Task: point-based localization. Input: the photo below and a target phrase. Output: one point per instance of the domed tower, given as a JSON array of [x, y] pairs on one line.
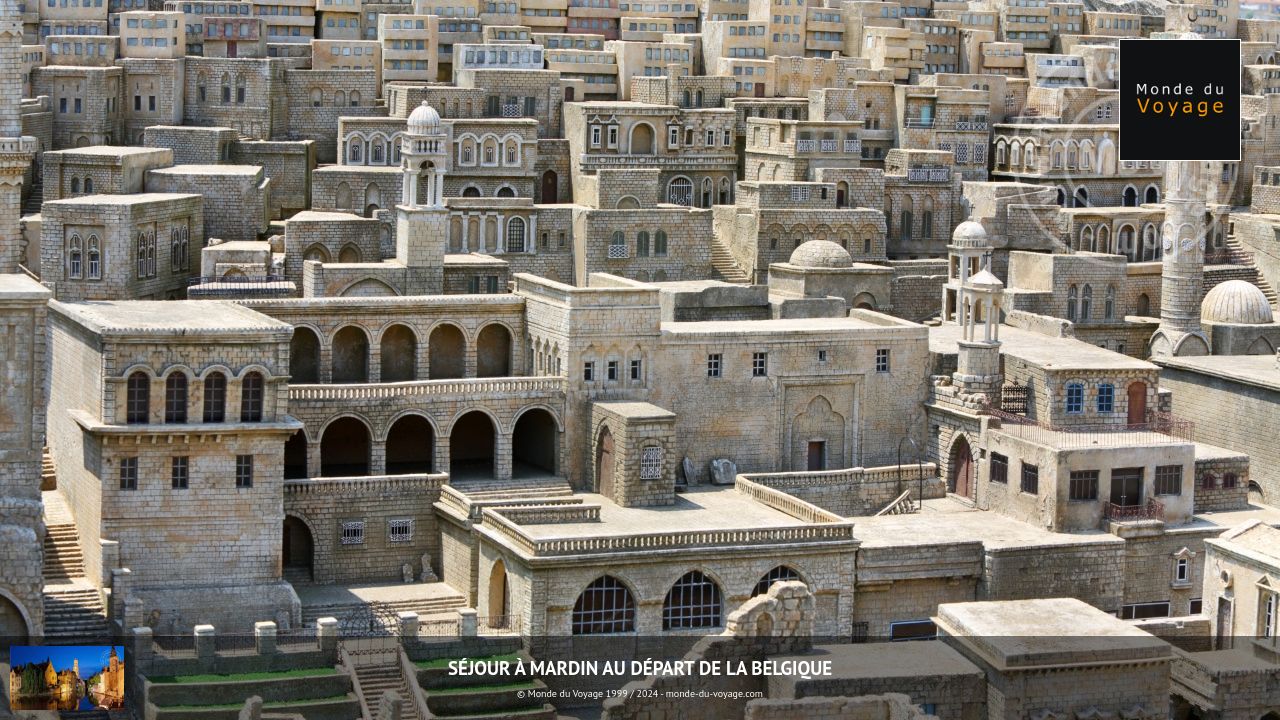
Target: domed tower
[[16, 151], [969, 246], [1182, 279], [422, 221]]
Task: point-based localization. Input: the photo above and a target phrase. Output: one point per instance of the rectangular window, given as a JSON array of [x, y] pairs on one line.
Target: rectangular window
[[1075, 398], [1196, 606], [353, 532], [999, 469], [651, 463], [1030, 479], [1084, 485], [912, 630], [759, 364], [1169, 480], [399, 531], [1142, 611], [1106, 398], [588, 371], [129, 473], [714, 365], [637, 370], [1182, 571], [882, 360], [595, 136], [611, 371], [613, 136], [822, 356], [179, 472], [244, 471]]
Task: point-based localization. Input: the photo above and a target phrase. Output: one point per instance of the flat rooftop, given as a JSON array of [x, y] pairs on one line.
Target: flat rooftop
[[873, 661], [111, 150], [797, 326], [1259, 370], [1048, 631], [1055, 353], [130, 199], [176, 317], [194, 169], [21, 287], [946, 520]]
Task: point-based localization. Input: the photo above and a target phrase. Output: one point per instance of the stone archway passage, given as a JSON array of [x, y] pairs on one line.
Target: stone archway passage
[[13, 624], [344, 448], [493, 352], [411, 444], [304, 356], [351, 356], [399, 351], [534, 444], [298, 550], [471, 447], [499, 595], [446, 352], [295, 457]]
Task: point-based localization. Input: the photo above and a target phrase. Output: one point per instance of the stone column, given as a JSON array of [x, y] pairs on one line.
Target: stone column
[[205, 639], [327, 634], [532, 243], [467, 622], [466, 227], [408, 624], [264, 637]]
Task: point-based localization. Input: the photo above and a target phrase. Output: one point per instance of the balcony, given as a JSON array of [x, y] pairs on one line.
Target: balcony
[[853, 147], [805, 146], [1152, 510], [618, 252], [919, 123], [928, 175], [972, 125]]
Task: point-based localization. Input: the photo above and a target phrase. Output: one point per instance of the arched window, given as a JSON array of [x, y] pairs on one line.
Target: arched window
[[618, 245], [1086, 302], [642, 244], [94, 258], [1075, 398], [680, 191], [512, 153], [1109, 303], [354, 98], [317, 97], [1106, 398], [138, 399], [660, 244], [353, 150], [377, 152], [175, 398], [88, 185], [75, 184], [1071, 303], [782, 573], [515, 235], [251, 398], [604, 607], [215, 398], [75, 258], [692, 602]]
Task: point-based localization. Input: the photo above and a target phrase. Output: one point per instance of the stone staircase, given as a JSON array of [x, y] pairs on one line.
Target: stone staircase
[[74, 615], [425, 607], [375, 680], [1239, 265], [515, 488], [63, 561], [725, 266], [35, 198], [481, 697], [48, 473]]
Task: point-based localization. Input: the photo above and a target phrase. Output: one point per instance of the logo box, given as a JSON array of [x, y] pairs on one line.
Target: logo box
[[1158, 78]]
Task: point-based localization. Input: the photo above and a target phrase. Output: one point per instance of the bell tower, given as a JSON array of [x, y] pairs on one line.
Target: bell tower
[[422, 220]]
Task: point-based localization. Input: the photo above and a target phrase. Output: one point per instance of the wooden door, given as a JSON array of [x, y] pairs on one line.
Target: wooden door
[[231, 49], [1137, 403], [961, 481], [550, 187], [604, 464], [817, 455]]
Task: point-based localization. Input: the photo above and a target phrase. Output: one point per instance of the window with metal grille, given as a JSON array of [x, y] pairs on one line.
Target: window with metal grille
[[692, 602], [714, 362], [1075, 398], [1169, 480], [781, 573], [882, 360], [353, 532], [180, 472], [251, 392], [1229, 480], [1030, 479], [175, 398], [138, 398], [651, 462], [215, 398], [1084, 485], [604, 607], [759, 364], [129, 473], [999, 468], [1106, 398], [244, 471], [400, 530]]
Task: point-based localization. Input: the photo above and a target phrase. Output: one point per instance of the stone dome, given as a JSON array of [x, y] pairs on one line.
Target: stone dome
[[821, 254], [1237, 302], [969, 233], [424, 120]]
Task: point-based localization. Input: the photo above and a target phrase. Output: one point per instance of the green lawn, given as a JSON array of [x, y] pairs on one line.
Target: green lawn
[[440, 663], [275, 704], [484, 688], [270, 675]]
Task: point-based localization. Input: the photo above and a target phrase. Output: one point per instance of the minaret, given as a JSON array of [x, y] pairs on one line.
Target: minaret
[[16, 151], [1182, 281], [422, 220]]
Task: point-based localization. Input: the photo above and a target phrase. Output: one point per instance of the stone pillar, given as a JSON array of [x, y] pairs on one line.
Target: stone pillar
[[205, 637], [313, 459], [378, 457], [264, 637], [408, 624], [143, 649], [466, 232], [467, 622], [327, 634], [532, 243]]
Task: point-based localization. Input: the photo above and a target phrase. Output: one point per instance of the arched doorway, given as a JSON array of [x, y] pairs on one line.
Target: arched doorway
[[304, 356], [641, 139], [399, 354], [411, 444], [499, 595], [1137, 403], [604, 463], [1152, 194], [298, 550], [295, 457], [13, 622], [534, 444], [550, 187], [446, 351], [1130, 197], [471, 446], [344, 448], [350, 355], [493, 351], [960, 481], [1082, 197]]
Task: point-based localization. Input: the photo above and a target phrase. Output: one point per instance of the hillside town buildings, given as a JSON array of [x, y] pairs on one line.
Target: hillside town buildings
[[539, 324]]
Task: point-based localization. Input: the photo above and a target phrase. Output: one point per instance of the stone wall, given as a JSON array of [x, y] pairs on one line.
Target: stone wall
[[236, 197]]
